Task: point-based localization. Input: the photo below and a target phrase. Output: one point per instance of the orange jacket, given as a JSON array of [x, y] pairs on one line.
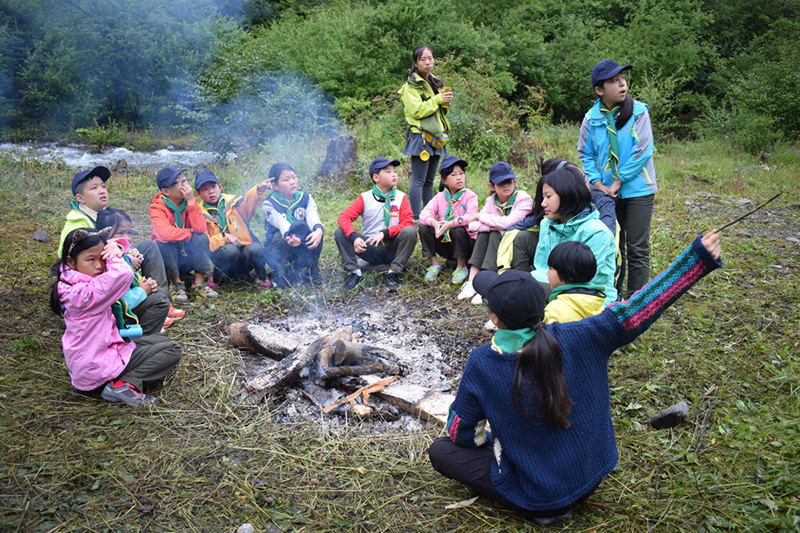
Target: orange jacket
[[163, 220], [238, 212]]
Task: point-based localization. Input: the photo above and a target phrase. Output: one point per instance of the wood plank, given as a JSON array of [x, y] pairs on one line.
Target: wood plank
[[432, 405]]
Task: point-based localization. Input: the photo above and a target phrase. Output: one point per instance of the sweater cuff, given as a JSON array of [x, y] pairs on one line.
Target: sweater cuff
[[318, 226], [353, 236], [386, 235]]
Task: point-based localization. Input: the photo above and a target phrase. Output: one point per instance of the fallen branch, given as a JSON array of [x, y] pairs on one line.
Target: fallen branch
[[374, 387]]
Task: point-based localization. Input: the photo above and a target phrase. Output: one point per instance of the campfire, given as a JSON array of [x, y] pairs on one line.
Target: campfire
[[339, 369]]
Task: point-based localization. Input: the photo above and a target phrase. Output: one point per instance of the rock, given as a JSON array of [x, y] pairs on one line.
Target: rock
[[743, 234], [246, 528], [669, 418], [793, 239], [41, 236], [744, 202]]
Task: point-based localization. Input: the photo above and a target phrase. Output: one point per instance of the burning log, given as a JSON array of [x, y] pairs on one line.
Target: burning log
[[352, 353], [264, 341]]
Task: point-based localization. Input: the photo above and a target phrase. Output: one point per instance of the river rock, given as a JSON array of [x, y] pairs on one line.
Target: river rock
[[744, 202], [41, 236], [246, 528], [669, 418]]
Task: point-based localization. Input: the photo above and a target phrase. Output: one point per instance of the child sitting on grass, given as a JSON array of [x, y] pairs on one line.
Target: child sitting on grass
[[155, 311], [91, 276], [179, 231], [294, 231], [573, 296], [444, 221], [387, 227], [504, 208], [235, 251]]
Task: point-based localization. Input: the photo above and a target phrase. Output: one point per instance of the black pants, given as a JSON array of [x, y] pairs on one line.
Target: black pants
[[484, 254], [634, 216], [473, 467], [420, 191], [236, 261], [459, 247], [153, 311], [396, 250], [184, 257], [283, 258]]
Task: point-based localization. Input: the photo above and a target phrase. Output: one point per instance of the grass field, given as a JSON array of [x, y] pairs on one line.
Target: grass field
[[198, 462]]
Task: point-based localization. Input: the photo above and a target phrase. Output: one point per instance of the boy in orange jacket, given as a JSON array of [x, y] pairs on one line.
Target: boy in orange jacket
[[179, 231]]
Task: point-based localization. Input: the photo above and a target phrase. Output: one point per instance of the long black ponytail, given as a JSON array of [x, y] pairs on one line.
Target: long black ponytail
[[540, 369]]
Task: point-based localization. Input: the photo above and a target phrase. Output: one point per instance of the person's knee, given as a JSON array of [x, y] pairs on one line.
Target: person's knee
[[437, 451]]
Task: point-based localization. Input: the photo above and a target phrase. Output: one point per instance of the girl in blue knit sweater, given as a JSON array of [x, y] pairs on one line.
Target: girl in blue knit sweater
[[544, 391]]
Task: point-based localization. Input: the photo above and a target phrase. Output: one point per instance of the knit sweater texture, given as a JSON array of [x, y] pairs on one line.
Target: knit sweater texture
[[537, 465]]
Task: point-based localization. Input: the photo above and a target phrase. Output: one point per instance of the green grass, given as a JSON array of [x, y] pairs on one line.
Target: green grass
[[197, 462]]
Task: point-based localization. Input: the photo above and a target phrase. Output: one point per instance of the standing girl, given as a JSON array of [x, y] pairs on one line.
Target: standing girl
[[544, 391], [616, 149], [91, 276], [426, 109], [570, 216], [444, 228]]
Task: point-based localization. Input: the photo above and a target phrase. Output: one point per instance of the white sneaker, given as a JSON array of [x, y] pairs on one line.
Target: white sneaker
[[489, 326], [466, 291], [477, 299]]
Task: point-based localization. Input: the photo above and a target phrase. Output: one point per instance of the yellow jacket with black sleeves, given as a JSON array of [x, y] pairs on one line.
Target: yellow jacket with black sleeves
[[238, 213]]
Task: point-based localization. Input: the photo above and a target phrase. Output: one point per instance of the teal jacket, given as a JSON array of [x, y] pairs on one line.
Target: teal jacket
[[587, 228], [636, 169]]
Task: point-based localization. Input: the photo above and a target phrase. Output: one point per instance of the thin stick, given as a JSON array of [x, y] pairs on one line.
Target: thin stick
[[732, 222], [374, 387]]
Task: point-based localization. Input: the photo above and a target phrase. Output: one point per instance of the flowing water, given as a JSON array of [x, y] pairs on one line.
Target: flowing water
[[80, 156]]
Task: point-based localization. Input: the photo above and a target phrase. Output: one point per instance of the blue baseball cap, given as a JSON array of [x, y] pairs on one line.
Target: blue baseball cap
[[500, 172], [203, 177], [101, 172], [166, 176], [606, 69], [379, 163], [449, 161]]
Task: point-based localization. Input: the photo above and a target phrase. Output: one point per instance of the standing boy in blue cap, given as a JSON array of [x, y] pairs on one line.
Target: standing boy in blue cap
[[387, 227], [179, 231], [235, 251], [616, 149]]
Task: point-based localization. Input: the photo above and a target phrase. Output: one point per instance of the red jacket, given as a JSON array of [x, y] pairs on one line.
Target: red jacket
[[372, 220], [163, 220]]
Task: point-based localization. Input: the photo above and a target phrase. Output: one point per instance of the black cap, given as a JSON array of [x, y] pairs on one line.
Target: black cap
[[379, 163], [166, 176], [514, 296], [101, 172], [606, 69], [500, 172], [449, 161], [203, 177]]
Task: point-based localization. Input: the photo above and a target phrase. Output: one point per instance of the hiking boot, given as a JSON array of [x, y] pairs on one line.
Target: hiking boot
[[178, 292], [175, 314], [393, 279], [351, 281], [466, 291], [168, 322], [432, 272], [460, 275], [207, 292], [119, 391]]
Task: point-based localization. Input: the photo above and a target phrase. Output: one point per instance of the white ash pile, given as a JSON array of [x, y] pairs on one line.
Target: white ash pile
[[315, 360]]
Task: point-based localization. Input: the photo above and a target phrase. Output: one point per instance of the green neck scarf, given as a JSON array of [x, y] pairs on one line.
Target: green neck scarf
[[613, 141], [448, 215], [569, 286], [505, 209], [176, 210], [288, 204], [511, 340], [387, 203], [219, 212]]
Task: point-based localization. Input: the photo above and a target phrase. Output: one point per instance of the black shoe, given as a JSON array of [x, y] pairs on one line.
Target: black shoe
[[351, 281], [393, 280]]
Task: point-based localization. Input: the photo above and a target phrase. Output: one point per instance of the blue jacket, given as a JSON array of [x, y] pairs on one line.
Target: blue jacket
[[587, 228], [636, 168]]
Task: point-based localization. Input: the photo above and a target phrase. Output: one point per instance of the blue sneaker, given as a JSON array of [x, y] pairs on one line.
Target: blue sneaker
[[460, 276], [432, 272]]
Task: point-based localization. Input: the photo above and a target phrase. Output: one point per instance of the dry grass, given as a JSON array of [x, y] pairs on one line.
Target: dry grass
[[196, 462]]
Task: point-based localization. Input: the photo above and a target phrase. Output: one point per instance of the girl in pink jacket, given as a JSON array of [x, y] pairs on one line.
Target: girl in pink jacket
[[91, 276], [445, 220], [503, 209]]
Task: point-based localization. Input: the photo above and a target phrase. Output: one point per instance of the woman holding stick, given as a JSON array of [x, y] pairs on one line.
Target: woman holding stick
[[544, 391], [426, 102]]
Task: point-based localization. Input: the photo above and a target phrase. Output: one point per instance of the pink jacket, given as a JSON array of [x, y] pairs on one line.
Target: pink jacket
[[93, 349], [465, 208], [492, 219]]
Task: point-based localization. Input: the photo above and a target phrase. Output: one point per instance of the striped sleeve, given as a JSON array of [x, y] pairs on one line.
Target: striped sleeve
[[646, 305], [467, 434]]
